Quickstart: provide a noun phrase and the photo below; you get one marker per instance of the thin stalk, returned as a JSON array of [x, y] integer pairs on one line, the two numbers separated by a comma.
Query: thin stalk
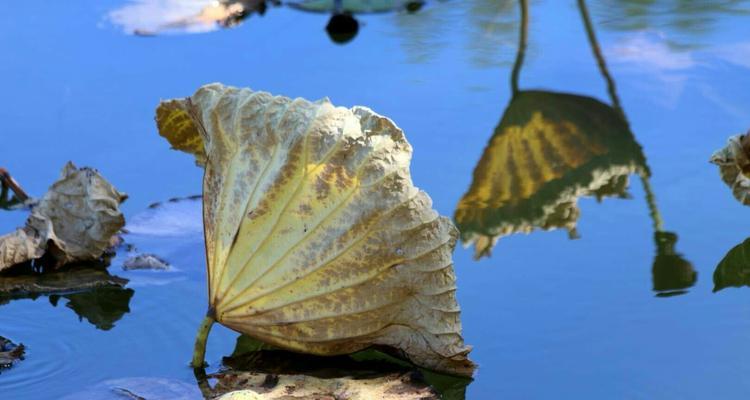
[[594, 43], [522, 41], [199, 352], [651, 201]]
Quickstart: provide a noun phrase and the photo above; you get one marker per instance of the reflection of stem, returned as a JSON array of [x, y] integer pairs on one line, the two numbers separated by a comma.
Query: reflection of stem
[[651, 201], [199, 353], [612, 90], [600, 58], [522, 38]]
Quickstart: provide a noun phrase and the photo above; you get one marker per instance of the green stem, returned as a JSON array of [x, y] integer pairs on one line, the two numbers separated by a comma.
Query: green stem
[[199, 353], [522, 40]]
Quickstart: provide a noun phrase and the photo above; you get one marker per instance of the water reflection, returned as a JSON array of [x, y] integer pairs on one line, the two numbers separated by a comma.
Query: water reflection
[[152, 17], [252, 360], [689, 19], [91, 292], [734, 268], [549, 150]]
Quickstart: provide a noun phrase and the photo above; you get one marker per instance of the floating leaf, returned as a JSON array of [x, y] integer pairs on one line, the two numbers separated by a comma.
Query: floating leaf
[[548, 150], [734, 268], [76, 220], [10, 353], [734, 166], [317, 240]]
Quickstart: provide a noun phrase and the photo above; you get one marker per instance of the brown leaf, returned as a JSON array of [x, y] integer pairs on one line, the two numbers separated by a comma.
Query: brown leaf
[[76, 220], [317, 240]]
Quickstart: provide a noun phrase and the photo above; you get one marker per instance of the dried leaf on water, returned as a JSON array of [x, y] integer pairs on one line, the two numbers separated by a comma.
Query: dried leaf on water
[[734, 268], [734, 166], [387, 377], [10, 353], [549, 150], [76, 220], [317, 240]]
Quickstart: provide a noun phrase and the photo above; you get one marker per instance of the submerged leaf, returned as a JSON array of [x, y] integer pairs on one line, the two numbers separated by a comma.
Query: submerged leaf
[[734, 166], [734, 268], [549, 150], [76, 220], [316, 238]]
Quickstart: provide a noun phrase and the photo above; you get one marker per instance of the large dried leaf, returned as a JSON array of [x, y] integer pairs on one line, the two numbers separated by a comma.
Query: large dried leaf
[[734, 268], [317, 240], [76, 220], [549, 150], [734, 166]]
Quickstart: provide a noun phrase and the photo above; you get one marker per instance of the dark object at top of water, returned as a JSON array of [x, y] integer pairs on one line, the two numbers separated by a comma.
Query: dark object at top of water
[[342, 28], [672, 274]]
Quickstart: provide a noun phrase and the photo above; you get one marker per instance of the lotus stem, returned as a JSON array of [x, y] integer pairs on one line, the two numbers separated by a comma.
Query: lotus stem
[[653, 211], [594, 43], [199, 352], [522, 39]]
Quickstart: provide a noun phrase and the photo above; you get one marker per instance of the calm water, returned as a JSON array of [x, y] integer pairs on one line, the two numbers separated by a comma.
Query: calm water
[[549, 317]]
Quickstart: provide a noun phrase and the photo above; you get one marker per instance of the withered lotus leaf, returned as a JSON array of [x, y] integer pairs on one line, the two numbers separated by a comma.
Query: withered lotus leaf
[[316, 238], [549, 150], [734, 166], [76, 220]]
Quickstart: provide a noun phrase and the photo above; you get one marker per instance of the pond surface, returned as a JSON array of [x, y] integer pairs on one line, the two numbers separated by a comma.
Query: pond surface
[[548, 316]]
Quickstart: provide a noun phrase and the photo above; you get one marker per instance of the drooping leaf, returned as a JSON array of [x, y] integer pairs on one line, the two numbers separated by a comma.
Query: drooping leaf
[[549, 150], [734, 269], [76, 220], [734, 166], [317, 240]]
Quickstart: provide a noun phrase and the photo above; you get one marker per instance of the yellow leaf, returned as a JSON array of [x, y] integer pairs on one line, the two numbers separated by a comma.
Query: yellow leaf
[[548, 150], [316, 239]]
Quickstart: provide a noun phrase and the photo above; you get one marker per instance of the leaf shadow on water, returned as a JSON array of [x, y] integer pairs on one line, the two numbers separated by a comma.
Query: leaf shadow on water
[[259, 367], [91, 292], [549, 150]]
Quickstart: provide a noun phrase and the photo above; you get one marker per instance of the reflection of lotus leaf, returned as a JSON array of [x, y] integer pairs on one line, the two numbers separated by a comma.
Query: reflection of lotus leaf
[[548, 150], [317, 240], [734, 268], [102, 307], [352, 6], [92, 293]]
